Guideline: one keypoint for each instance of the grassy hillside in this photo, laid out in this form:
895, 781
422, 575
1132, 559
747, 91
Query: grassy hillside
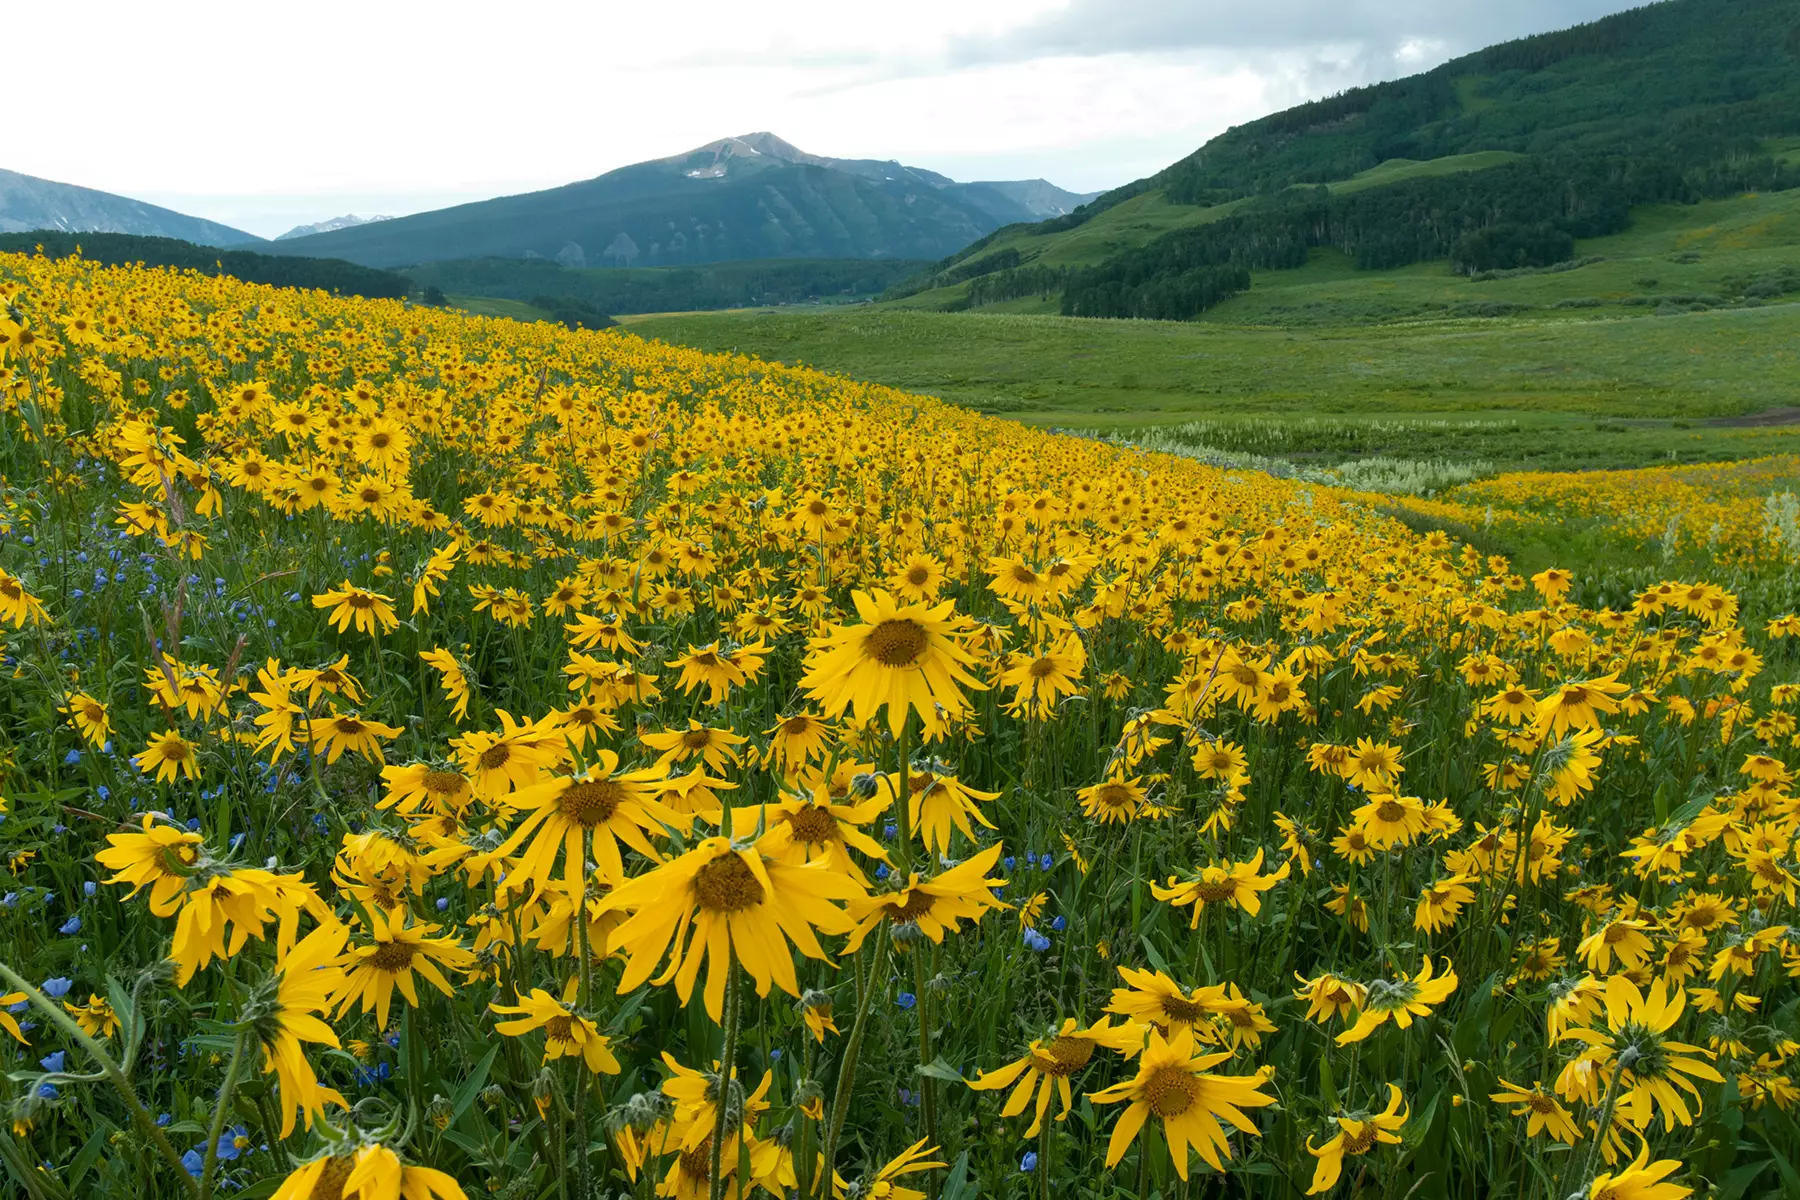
1498, 159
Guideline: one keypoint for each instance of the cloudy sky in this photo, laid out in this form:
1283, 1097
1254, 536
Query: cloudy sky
265, 115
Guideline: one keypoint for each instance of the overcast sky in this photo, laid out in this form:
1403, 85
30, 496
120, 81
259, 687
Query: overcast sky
265, 115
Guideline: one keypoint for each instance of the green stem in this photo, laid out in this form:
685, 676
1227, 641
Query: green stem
583, 1170
140, 1116
1043, 1162
927, 1085
415, 1058
222, 1110
727, 1057
905, 796
840, 1104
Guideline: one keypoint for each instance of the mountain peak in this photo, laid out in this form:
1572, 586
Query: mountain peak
347, 221
711, 160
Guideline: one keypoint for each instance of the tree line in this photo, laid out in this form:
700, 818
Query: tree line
748, 284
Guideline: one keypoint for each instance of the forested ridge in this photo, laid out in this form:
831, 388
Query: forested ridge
745, 284
1678, 101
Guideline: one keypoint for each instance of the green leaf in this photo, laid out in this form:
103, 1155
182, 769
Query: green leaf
89, 1155
939, 1069
476, 1081
1739, 1179
1156, 960
1788, 1174
958, 1186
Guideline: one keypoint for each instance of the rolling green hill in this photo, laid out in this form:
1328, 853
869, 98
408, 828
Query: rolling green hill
1500, 159
752, 197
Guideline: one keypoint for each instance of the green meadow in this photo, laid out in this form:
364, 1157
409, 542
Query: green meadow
1676, 341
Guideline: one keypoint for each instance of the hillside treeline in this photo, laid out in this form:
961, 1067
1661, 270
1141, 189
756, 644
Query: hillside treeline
1668, 102
1526, 213
117, 249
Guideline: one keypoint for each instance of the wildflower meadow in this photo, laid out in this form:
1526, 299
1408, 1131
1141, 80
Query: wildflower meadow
447, 757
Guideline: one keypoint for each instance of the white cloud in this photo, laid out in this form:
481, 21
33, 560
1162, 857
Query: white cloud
265, 116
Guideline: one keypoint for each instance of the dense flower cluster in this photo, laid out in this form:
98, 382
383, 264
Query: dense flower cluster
578, 763
1734, 513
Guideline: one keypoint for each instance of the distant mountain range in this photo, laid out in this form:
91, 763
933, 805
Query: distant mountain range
751, 197
347, 221
28, 203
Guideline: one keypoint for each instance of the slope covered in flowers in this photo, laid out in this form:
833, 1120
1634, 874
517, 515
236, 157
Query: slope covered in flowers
448, 756
1737, 514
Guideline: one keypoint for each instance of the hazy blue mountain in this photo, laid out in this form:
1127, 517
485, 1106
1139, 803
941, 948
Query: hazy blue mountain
27, 203
750, 197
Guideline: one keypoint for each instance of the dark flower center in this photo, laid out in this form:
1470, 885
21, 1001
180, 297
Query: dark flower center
727, 885
1170, 1091
897, 643
591, 802
393, 956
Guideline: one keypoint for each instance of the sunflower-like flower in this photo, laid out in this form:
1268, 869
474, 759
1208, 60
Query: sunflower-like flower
89, 717
935, 906
1400, 1000
1048, 1062
938, 801
1356, 1136
9, 1022
1328, 996
1040, 680
304, 980
613, 806
96, 1018
1652, 1071
1545, 1110
566, 1031
715, 747
161, 856
497, 763
371, 612
1236, 885
169, 754
739, 902
910, 1161
438, 788
1391, 820
1640, 1180
900, 659
1117, 798
1441, 902
18, 605
818, 827
1174, 1086
397, 949
367, 1172
1152, 998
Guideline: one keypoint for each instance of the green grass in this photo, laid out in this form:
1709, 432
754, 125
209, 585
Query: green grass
1396, 169
493, 306
1618, 362
1544, 393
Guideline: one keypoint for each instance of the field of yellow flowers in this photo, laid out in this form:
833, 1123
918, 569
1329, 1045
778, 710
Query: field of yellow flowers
446, 757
